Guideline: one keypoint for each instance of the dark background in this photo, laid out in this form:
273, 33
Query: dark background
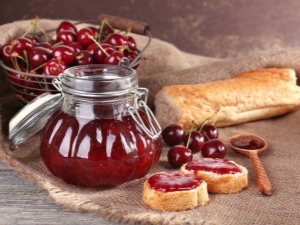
216, 28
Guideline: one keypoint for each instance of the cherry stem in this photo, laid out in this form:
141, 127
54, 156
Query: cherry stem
100, 30
216, 117
15, 63
46, 35
102, 49
57, 44
32, 26
190, 133
26, 60
203, 124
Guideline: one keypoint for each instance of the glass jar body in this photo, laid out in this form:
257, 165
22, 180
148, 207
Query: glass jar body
97, 152
95, 140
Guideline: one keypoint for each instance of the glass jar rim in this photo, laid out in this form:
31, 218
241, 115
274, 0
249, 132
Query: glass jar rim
98, 80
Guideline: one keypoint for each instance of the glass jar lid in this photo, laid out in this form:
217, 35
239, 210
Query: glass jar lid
32, 118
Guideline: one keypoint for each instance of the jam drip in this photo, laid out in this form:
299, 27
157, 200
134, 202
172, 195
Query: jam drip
219, 166
174, 182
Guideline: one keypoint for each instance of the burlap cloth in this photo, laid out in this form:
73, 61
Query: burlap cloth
163, 64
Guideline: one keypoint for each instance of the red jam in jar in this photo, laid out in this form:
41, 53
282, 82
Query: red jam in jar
104, 135
174, 182
219, 166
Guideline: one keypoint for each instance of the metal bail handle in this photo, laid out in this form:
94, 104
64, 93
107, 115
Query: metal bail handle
57, 83
154, 130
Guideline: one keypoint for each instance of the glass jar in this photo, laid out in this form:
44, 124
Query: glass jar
104, 134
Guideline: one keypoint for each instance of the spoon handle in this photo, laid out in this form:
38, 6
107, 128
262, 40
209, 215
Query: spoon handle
263, 181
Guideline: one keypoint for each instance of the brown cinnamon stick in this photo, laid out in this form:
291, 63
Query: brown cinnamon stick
125, 24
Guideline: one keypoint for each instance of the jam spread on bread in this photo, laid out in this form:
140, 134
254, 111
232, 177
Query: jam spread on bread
219, 166
174, 182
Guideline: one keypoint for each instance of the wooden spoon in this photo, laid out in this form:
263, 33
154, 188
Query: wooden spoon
236, 143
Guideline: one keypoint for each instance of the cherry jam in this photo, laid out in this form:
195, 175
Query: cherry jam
174, 182
252, 144
95, 140
100, 152
219, 166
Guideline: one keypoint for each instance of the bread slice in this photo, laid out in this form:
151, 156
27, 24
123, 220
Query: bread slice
221, 183
250, 96
179, 200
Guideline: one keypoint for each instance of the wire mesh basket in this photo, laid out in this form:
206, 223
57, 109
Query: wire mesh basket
28, 85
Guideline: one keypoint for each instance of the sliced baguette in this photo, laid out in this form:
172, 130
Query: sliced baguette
175, 200
222, 183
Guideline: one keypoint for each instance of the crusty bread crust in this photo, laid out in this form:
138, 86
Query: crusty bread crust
222, 184
249, 96
177, 200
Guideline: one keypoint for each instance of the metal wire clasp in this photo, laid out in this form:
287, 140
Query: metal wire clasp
153, 129
57, 82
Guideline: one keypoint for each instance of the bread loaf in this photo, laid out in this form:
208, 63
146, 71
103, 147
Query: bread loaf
221, 176
175, 192
246, 97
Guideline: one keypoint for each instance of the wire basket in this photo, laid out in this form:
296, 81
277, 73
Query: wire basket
27, 86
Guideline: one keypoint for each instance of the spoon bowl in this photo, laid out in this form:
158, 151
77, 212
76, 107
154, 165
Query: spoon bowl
246, 138
251, 145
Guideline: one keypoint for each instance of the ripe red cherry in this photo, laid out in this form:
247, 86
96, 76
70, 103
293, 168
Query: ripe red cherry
54, 67
33, 38
131, 43
5, 52
106, 30
173, 134
214, 149
114, 58
196, 141
99, 55
38, 56
65, 53
131, 55
31, 83
83, 58
179, 155
66, 25
20, 45
16, 77
45, 45
116, 39
209, 132
83, 36
75, 46
66, 36
91, 48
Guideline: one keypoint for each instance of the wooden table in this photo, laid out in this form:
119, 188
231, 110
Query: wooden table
23, 202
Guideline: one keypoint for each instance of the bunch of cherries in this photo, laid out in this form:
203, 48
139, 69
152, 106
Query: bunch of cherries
185, 144
90, 45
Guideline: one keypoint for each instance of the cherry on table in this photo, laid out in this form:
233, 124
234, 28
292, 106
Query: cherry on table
209, 132
195, 140
173, 134
213, 149
66, 25
179, 155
